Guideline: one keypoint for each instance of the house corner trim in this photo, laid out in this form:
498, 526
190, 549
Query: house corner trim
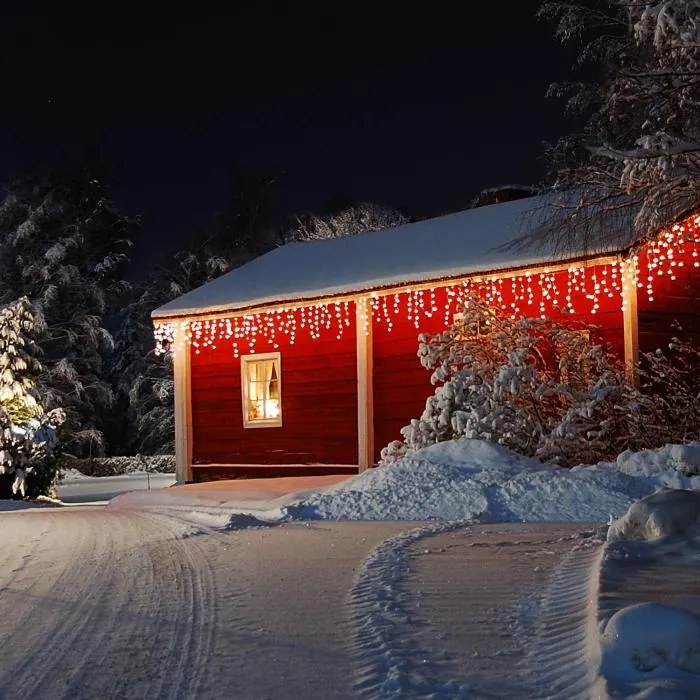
630, 323
365, 393
183, 411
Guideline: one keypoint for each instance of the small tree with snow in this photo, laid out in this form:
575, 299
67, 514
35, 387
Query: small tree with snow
536, 386
27, 434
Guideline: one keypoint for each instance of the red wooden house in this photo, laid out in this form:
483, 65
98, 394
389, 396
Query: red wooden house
304, 360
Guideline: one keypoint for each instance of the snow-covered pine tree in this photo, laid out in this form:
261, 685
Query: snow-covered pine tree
27, 433
531, 384
63, 245
640, 147
363, 217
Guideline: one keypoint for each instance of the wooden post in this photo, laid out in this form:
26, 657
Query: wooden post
183, 410
630, 322
365, 394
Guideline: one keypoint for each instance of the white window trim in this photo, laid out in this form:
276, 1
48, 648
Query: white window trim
266, 422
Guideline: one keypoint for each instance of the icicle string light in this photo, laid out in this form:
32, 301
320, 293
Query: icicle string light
578, 289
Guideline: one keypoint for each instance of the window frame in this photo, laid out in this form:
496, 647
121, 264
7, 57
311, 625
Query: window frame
276, 357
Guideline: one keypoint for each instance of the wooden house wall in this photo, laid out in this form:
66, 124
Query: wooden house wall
319, 405
319, 384
674, 311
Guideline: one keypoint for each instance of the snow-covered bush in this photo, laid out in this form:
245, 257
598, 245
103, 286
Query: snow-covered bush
27, 434
113, 466
530, 384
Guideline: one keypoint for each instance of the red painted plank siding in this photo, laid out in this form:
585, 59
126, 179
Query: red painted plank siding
319, 384
319, 406
674, 302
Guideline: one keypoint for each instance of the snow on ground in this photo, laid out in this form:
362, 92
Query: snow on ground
475, 480
115, 603
461, 480
649, 609
453, 608
623, 616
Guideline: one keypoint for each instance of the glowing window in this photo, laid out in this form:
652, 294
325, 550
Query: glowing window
262, 390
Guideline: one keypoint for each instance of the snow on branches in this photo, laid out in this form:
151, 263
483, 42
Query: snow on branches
64, 246
641, 141
364, 217
27, 434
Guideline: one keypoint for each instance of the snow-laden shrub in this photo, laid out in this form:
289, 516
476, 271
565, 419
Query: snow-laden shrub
531, 384
27, 434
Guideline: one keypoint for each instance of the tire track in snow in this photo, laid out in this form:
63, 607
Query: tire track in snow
55, 621
130, 599
565, 656
197, 618
384, 654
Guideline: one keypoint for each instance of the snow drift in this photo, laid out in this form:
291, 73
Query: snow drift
480, 481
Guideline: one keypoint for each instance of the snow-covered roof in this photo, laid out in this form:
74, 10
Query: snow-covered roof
466, 243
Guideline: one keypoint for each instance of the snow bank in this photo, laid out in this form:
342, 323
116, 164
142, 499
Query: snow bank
664, 513
476, 480
684, 459
648, 603
452, 481
646, 640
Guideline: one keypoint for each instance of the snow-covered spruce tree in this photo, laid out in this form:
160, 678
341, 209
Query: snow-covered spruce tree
640, 148
531, 384
364, 217
27, 433
63, 245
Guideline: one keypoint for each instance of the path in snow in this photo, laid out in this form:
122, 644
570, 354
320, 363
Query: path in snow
102, 604
120, 603
478, 612
81, 489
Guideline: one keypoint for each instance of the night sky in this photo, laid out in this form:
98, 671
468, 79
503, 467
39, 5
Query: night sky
419, 108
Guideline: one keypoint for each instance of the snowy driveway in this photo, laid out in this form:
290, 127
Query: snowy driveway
123, 603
